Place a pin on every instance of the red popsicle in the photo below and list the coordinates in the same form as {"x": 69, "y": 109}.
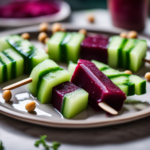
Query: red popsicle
{"x": 98, "y": 85}
{"x": 95, "y": 47}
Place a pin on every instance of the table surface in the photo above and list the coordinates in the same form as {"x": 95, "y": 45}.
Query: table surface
{"x": 18, "y": 135}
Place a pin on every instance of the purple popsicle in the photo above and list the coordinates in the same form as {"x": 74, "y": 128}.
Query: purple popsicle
{"x": 98, "y": 85}
{"x": 95, "y": 47}
{"x": 59, "y": 93}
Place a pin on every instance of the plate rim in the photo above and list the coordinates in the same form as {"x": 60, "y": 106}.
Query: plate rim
{"x": 74, "y": 124}
{"x": 64, "y": 13}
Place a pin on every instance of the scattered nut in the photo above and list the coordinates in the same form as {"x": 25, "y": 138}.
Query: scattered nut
{"x": 83, "y": 31}
{"x": 62, "y": 29}
{"x": 7, "y": 95}
{"x": 123, "y": 34}
{"x": 132, "y": 34}
{"x": 25, "y": 36}
{"x": 56, "y": 27}
{"x": 128, "y": 72}
{"x": 30, "y": 106}
{"x": 43, "y": 27}
{"x": 42, "y": 36}
{"x": 46, "y": 39}
{"x": 46, "y": 49}
{"x": 91, "y": 18}
{"x": 147, "y": 76}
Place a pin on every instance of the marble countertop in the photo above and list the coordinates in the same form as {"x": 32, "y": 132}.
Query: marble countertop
{"x": 18, "y": 135}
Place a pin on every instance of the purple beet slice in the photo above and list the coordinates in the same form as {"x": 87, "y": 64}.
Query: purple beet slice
{"x": 98, "y": 85}
{"x": 69, "y": 99}
{"x": 95, "y": 47}
{"x": 59, "y": 93}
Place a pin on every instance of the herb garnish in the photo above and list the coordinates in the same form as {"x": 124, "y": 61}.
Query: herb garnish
{"x": 43, "y": 142}
{"x": 1, "y": 146}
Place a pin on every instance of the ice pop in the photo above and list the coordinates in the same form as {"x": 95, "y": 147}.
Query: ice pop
{"x": 98, "y": 85}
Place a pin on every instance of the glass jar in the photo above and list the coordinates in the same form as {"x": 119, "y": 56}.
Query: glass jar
{"x": 129, "y": 14}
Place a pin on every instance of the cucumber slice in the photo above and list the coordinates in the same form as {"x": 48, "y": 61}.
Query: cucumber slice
{"x": 38, "y": 57}
{"x": 137, "y": 54}
{"x": 32, "y": 56}
{"x": 7, "y": 67}
{"x": 114, "y": 51}
{"x": 18, "y": 59}
{"x": 74, "y": 103}
{"x": 73, "y": 47}
{"x": 124, "y": 84}
{"x": 100, "y": 65}
{"x": 4, "y": 44}
{"x": 71, "y": 67}
{"x": 63, "y": 47}
{"x": 140, "y": 84}
{"x": 38, "y": 72}
{"x": 126, "y": 52}
{"x": 50, "y": 80}
{"x": 2, "y": 72}
{"x": 54, "y": 45}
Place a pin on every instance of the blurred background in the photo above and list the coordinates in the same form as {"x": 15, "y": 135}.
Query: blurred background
{"x": 126, "y": 14}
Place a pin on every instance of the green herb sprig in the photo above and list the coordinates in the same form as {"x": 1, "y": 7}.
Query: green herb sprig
{"x": 1, "y": 146}
{"x": 42, "y": 141}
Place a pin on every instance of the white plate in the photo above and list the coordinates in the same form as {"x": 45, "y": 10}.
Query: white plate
{"x": 46, "y": 115}
{"x": 64, "y": 12}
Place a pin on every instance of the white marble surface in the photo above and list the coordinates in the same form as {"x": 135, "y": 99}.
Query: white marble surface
{"x": 17, "y": 135}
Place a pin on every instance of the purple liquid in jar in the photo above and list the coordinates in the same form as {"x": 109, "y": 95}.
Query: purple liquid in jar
{"x": 129, "y": 14}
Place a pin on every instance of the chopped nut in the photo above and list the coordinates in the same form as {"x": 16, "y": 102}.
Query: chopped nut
{"x": 83, "y": 31}
{"x": 45, "y": 41}
{"x": 128, "y": 72}
{"x": 7, "y": 95}
{"x": 43, "y": 27}
{"x": 91, "y": 18}
{"x": 56, "y": 27}
{"x": 30, "y": 106}
{"x": 147, "y": 76}
{"x": 123, "y": 34}
{"x": 132, "y": 34}
{"x": 42, "y": 36}
{"x": 25, "y": 36}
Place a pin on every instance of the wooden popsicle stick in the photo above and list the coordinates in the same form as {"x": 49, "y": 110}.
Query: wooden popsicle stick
{"x": 107, "y": 108}
{"x": 18, "y": 84}
{"x": 146, "y": 60}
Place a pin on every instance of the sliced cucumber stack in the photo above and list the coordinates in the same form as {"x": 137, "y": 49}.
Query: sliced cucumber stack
{"x": 114, "y": 51}
{"x": 38, "y": 72}
{"x": 54, "y": 45}
{"x": 74, "y": 103}
{"x": 6, "y": 67}
{"x": 126, "y": 53}
{"x": 31, "y": 55}
{"x": 50, "y": 80}
{"x": 64, "y": 47}
{"x": 11, "y": 65}
{"x": 17, "y": 62}
{"x": 129, "y": 84}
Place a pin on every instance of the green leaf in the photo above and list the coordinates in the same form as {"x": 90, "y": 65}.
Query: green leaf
{"x": 55, "y": 145}
{"x": 1, "y": 146}
{"x": 43, "y": 142}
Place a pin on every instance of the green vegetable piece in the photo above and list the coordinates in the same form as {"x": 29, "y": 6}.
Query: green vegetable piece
{"x": 1, "y": 146}
{"x": 43, "y": 142}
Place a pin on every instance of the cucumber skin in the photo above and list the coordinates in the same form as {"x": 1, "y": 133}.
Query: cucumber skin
{"x": 66, "y": 77}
